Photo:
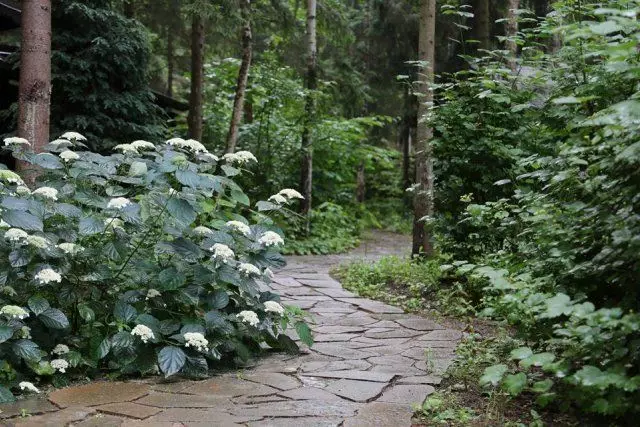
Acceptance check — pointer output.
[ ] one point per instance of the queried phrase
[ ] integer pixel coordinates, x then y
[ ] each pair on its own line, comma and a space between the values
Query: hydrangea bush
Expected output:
133, 262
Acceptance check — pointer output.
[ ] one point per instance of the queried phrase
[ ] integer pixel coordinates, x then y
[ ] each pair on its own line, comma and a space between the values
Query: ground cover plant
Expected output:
133, 262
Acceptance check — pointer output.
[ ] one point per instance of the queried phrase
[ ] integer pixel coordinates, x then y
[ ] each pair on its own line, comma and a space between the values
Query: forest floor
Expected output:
371, 364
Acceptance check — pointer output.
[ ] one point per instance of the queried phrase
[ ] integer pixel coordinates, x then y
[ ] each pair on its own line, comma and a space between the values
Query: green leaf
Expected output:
138, 169
54, 318
171, 359
557, 306
27, 350
24, 220
38, 304
19, 257
182, 211
103, 349
542, 386
240, 197
287, 344
304, 333
123, 346
514, 384
606, 27
5, 395
89, 226
540, 359
171, 279
520, 353
219, 299
6, 332
86, 313
123, 312
493, 375
188, 178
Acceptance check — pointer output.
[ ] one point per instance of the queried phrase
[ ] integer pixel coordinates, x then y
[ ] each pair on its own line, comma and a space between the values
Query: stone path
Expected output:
370, 364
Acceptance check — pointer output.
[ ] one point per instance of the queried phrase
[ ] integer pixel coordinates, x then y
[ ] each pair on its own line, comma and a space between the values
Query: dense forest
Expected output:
504, 136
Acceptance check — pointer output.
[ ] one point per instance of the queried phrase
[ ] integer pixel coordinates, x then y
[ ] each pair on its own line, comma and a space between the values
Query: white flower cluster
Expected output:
10, 177
15, 140
25, 333
273, 307
68, 155
46, 192
222, 252
248, 269
202, 231
38, 242
143, 145
239, 226
15, 235
248, 316
70, 248
290, 193
60, 349
4, 224
14, 312
270, 238
208, 157
126, 148
152, 293
144, 332
241, 157
73, 136
21, 190
59, 365
61, 143
26, 385
268, 273
189, 144
118, 203
196, 340
111, 224
278, 199
47, 275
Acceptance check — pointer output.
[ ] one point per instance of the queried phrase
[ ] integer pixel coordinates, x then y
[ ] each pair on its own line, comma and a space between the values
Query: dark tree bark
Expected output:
34, 97
194, 119
306, 170
511, 31
128, 9
243, 77
423, 201
481, 23
361, 183
541, 8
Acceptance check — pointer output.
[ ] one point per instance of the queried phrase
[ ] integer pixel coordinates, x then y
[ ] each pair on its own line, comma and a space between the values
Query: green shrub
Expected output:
132, 262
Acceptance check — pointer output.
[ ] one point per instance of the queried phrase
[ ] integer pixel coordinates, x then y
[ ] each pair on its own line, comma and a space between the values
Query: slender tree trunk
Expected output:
541, 8
311, 83
243, 76
35, 78
361, 183
481, 23
197, 63
512, 32
128, 9
423, 202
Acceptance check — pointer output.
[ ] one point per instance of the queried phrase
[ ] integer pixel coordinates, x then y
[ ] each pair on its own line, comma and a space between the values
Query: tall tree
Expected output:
306, 170
243, 76
194, 119
482, 23
172, 29
512, 31
34, 97
129, 9
423, 202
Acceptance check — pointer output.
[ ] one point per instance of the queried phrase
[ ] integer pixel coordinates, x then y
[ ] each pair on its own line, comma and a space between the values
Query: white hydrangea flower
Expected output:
222, 252
15, 235
209, 157
278, 199
248, 269
38, 242
143, 145
248, 316
273, 307
60, 349
126, 148
58, 143
178, 142
60, 365
241, 157
10, 177
4, 224
70, 248
22, 190
25, 333
15, 140
68, 155
26, 385
46, 192
268, 273
196, 340
118, 203
195, 146
290, 193
144, 332
113, 223
73, 136
239, 226
14, 312
202, 230
152, 293
270, 238
48, 275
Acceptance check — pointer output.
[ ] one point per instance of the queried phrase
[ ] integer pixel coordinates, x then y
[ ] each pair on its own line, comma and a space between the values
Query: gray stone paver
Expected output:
370, 363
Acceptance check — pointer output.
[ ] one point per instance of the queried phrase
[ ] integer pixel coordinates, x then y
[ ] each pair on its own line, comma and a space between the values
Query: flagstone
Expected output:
98, 393
359, 391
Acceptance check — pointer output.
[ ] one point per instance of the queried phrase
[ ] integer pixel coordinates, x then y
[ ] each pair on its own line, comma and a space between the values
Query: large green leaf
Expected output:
520, 353
171, 359
304, 333
240, 197
5, 395
123, 346
540, 359
6, 332
170, 279
89, 226
514, 384
24, 220
27, 350
103, 349
124, 312
188, 178
287, 344
54, 318
182, 211
182, 247
493, 375
47, 161
20, 257
219, 299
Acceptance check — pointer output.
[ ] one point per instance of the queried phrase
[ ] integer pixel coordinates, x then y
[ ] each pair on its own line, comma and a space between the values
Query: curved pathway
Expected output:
370, 364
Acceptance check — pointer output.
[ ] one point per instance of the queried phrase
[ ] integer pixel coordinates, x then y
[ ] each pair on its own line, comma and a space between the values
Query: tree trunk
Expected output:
306, 170
541, 8
194, 120
423, 201
405, 142
35, 78
361, 184
512, 32
128, 9
243, 76
481, 23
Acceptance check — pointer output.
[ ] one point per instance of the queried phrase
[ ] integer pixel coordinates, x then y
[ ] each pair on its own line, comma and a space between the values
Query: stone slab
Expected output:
229, 386
33, 406
98, 393
53, 419
359, 391
380, 415
273, 379
169, 400
379, 377
129, 409
406, 394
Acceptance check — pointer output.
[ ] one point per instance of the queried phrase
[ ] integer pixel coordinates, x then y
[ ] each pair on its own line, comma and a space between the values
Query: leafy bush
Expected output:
133, 262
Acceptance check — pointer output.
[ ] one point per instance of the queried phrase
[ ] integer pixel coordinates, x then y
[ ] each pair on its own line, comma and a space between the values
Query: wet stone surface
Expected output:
370, 364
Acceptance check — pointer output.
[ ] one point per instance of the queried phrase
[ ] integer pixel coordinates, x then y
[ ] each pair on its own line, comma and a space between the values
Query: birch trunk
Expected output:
512, 32
481, 23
